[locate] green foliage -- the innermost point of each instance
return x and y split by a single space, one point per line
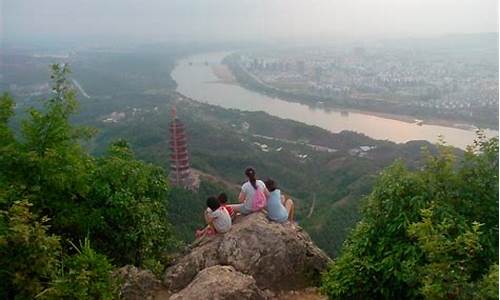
450 256
31 264
29 258
46 164
86 275
488 286
116 201
131 224
429 234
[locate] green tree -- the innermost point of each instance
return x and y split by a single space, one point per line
116 201
131 224
429 234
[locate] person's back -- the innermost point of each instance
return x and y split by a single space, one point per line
253 190
279 209
275 210
249 191
217 218
221 219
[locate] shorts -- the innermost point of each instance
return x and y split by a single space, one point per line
242 209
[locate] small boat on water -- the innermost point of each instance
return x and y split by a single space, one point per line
419 122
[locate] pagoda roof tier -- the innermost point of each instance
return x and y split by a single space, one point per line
179 157
177 126
177 131
180 147
177 134
178 139
178 153
180 168
180 162
176 145
179 165
181 175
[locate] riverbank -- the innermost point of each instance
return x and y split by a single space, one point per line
199 81
225 76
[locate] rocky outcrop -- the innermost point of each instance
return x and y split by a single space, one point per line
277 256
138 284
220 283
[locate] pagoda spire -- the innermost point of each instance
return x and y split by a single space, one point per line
180 171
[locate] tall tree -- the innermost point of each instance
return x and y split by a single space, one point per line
429 234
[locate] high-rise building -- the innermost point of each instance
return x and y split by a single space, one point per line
180 171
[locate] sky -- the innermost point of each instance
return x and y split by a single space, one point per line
201 20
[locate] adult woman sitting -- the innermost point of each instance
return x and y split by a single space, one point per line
253 194
279 209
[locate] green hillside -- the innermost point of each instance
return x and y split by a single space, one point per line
428 227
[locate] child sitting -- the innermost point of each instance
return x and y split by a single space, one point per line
217 218
279 209
223 202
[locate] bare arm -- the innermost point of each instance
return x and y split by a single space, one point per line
208 218
242 197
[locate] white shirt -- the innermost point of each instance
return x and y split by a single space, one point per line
221 219
248 189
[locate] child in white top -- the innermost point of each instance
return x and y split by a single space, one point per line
217 218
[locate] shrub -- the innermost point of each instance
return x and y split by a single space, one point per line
429 234
29 255
85 275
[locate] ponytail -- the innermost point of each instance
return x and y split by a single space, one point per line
250 173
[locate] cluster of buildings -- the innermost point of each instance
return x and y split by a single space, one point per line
425 80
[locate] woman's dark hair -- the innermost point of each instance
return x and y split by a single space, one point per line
213 203
222 198
250 173
270 185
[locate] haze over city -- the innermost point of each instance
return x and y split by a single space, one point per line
238 20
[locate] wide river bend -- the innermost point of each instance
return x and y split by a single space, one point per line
195 79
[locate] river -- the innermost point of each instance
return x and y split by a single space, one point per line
195 79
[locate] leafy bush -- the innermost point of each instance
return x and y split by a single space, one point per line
429 234
86 275
29 255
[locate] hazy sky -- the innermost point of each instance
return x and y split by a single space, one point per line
244 19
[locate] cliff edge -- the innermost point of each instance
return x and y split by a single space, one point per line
257 256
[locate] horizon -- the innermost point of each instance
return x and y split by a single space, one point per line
250 21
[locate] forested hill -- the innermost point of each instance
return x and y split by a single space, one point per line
327 174
428 228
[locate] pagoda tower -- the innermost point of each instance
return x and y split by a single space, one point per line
180 172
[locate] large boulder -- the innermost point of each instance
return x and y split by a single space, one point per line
220 283
137 284
277 256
